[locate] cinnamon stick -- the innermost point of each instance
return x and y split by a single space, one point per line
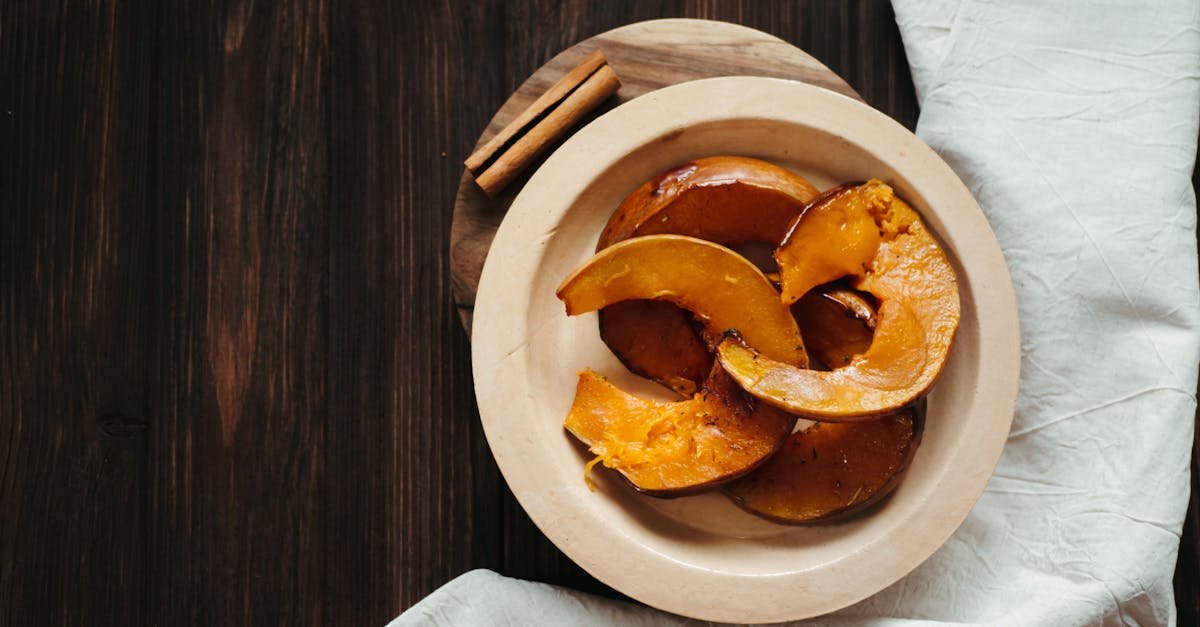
593 91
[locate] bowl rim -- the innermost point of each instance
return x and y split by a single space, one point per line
659 580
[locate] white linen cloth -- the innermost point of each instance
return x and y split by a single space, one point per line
1075 125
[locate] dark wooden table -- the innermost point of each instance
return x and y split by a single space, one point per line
233 389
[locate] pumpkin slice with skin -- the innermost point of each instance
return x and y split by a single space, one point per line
918 313
836 324
837 236
681 447
656 339
853 305
831 470
726 200
721 288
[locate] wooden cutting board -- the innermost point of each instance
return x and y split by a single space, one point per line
646 56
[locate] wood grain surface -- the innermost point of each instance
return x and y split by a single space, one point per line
233 386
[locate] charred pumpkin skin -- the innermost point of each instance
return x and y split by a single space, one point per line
726 200
656 339
831 471
670 449
720 287
918 314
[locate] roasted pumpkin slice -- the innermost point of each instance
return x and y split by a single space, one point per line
726 200
721 288
656 340
676 448
918 314
837 325
837 236
831 470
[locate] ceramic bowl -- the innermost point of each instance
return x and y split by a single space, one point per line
702 556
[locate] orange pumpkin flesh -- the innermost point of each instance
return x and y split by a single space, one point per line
726 200
831 470
722 289
681 447
837 236
918 314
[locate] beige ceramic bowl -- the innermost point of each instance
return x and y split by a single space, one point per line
701 556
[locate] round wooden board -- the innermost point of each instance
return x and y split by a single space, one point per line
646 56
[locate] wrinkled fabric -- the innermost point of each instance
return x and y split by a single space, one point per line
1075 125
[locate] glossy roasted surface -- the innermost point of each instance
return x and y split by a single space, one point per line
882 242
722 289
829 470
724 199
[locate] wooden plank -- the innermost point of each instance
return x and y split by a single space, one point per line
74 120
239 313
413 494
